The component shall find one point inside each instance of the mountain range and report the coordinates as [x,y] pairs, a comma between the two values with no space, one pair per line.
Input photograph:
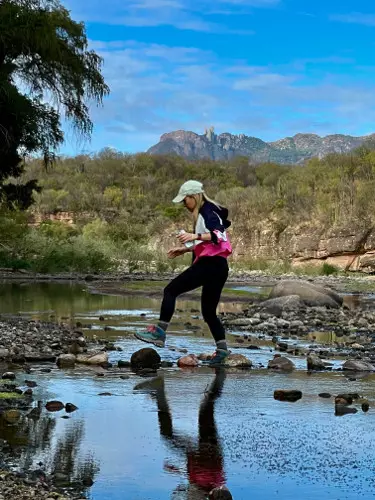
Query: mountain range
[290,150]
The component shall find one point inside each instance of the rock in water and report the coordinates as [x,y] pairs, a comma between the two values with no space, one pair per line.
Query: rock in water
[66,361]
[54,406]
[98,358]
[315,363]
[277,305]
[287,395]
[365,406]
[309,293]
[8,376]
[189,361]
[281,363]
[145,358]
[12,416]
[358,366]
[238,361]
[70,408]
[221,493]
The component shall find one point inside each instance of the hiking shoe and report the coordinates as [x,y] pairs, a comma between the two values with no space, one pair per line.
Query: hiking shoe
[152,335]
[218,358]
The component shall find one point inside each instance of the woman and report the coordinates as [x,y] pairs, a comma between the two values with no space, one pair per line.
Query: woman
[210,247]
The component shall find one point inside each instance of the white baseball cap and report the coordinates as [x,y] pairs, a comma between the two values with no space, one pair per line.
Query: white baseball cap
[187,189]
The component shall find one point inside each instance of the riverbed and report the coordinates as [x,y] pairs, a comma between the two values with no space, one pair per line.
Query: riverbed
[131,445]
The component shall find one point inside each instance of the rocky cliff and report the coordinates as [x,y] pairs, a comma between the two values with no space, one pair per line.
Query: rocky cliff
[350,247]
[291,150]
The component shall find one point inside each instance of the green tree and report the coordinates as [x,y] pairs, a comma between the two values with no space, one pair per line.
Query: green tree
[44,52]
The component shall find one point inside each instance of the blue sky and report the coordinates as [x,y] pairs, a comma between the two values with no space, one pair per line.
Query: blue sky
[265,68]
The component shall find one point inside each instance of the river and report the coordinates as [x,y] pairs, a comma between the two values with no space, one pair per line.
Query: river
[157,440]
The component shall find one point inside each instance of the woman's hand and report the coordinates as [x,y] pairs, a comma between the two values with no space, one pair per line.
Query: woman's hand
[186,237]
[177,252]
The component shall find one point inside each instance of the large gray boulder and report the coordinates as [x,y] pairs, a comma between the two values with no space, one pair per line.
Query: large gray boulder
[309,293]
[356,365]
[279,304]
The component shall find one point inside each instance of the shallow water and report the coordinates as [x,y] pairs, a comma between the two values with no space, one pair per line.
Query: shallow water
[263,448]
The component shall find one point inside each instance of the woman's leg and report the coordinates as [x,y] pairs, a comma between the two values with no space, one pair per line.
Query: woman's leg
[189,280]
[212,288]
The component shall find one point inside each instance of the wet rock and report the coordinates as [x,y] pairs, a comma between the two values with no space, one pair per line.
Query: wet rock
[343,399]
[28,392]
[341,410]
[12,416]
[204,356]
[221,493]
[54,406]
[105,394]
[70,408]
[238,361]
[123,364]
[281,363]
[145,358]
[315,363]
[8,376]
[365,406]
[188,361]
[101,318]
[287,395]
[276,306]
[309,293]
[88,482]
[97,358]
[358,366]
[166,364]
[325,395]
[66,361]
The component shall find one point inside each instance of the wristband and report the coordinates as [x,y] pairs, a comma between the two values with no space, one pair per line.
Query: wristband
[199,236]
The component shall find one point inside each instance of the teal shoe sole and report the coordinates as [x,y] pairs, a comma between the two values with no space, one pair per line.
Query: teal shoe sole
[155,342]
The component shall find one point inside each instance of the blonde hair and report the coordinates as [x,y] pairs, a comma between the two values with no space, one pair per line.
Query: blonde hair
[199,200]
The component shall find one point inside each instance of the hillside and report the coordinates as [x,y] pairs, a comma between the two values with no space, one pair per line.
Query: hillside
[290,150]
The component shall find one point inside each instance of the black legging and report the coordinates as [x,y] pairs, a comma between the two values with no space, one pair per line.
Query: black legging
[209,272]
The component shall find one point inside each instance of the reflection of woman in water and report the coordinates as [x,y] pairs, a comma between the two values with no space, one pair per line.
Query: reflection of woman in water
[205,463]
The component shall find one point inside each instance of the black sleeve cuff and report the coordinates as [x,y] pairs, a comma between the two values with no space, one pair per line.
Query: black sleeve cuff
[214,238]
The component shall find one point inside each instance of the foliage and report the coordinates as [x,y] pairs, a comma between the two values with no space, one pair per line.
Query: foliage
[123,213]
[45,51]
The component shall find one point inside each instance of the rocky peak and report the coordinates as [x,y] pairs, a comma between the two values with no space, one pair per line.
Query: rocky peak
[290,150]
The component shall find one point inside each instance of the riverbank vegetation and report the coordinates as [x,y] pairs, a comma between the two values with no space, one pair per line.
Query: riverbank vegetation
[121,203]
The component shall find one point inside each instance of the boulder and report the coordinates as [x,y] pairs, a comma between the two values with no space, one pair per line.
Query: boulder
[8,376]
[358,366]
[238,361]
[281,363]
[315,363]
[66,361]
[277,305]
[287,395]
[145,358]
[189,361]
[54,406]
[309,293]
[98,358]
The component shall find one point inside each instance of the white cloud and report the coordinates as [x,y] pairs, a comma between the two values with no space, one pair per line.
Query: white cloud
[157,89]
[355,18]
[181,14]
